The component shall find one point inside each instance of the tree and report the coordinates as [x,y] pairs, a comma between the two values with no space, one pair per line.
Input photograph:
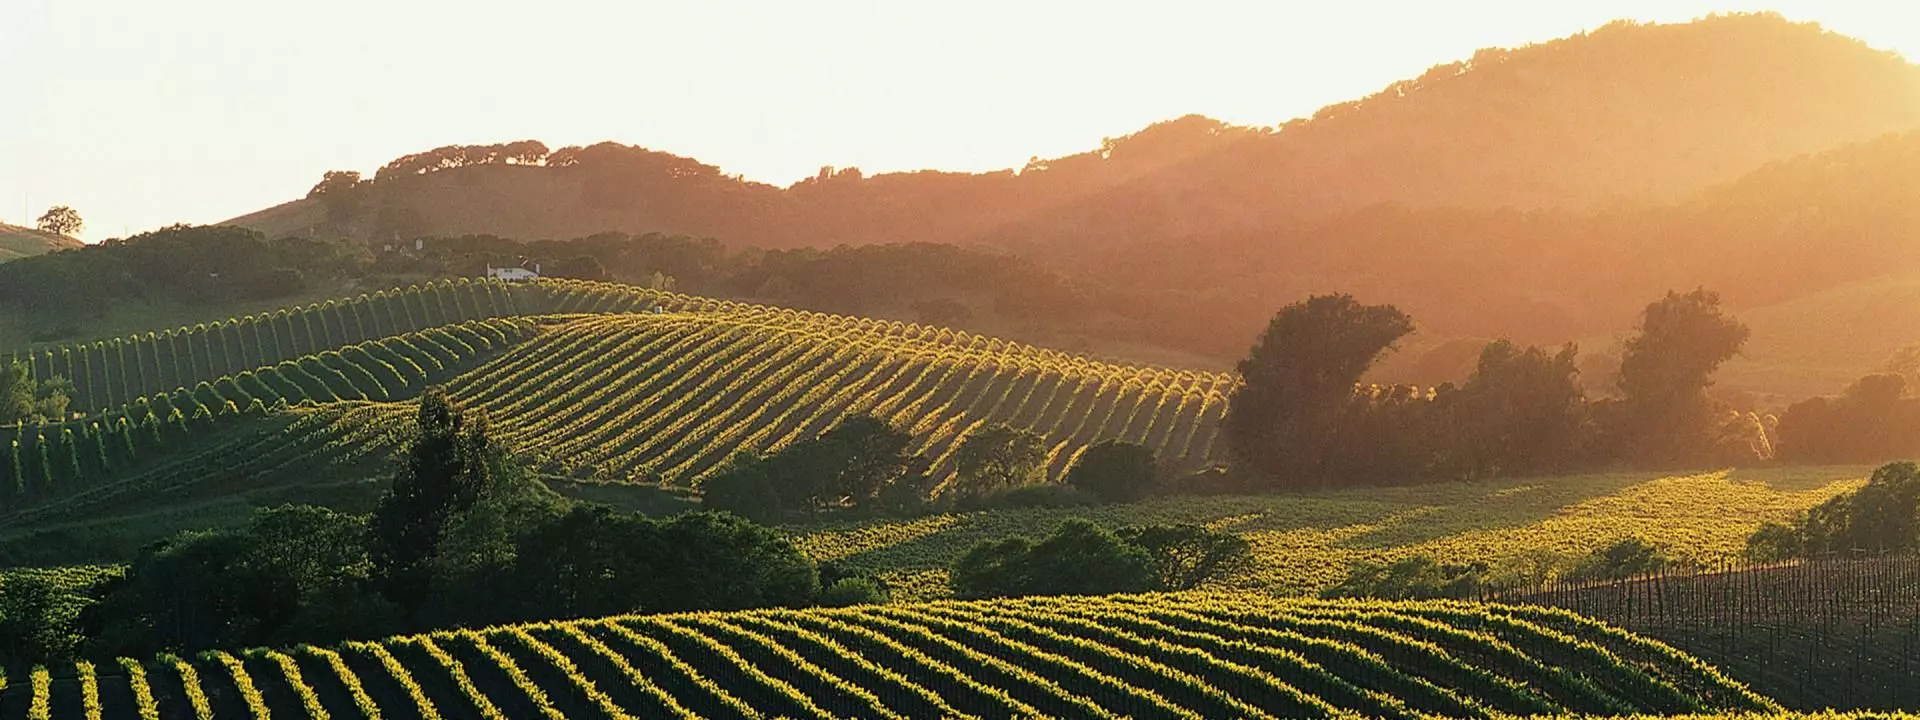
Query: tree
[61,220]
[292,574]
[1416,578]
[1665,371]
[849,464]
[718,561]
[335,184]
[1281,423]
[35,628]
[1115,471]
[1521,412]
[998,457]
[449,468]
[1621,560]
[1881,517]
[1079,558]
[864,454]
[1873,421]
[1186,556]
[22,399]
[745,488]
[588,562]
[341,192]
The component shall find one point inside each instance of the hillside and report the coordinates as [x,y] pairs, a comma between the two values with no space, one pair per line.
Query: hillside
[1121,656]
[630,390]
[600,382]
[1831,632]
[1749,154]
[1791,247]
[17,242]
[1628,113]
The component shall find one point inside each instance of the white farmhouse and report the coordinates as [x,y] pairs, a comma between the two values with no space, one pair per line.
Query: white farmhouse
[513,274]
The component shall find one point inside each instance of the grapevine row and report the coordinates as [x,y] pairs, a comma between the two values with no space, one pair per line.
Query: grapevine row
[1122,656]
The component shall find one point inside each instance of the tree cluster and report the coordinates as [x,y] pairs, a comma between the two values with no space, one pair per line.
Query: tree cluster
[459,523]
[1881,517]
[1302,419]
[26,400]
[861,462]
[1422,577]
[1082,558]
[1874,420]
[448,157]
[922,282]
[185,264]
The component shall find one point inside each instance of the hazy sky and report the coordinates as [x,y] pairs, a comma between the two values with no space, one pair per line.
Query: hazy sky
[141,113]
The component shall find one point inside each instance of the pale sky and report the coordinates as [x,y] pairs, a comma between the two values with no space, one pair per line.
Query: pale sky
[142,113]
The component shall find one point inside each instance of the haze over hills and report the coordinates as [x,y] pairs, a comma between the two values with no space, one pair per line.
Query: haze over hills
[1747,153]
[18,242]
[1628,113]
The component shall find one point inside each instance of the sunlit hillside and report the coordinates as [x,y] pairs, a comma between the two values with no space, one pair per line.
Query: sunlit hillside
[600,382]
[18,242]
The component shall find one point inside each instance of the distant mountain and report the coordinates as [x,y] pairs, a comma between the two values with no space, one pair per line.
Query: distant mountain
[1818,252]
[1544,193]
[17,242]
[1629,113]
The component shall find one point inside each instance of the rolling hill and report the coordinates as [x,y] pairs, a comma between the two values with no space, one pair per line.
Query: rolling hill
[17,242]
[618,393]
[601,382]
[1756,156]
[1120,656]
[1628,113]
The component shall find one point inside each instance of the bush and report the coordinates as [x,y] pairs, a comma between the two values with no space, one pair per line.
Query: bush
[1187,556]
[1115,471]
[1415,578]
[1882,517]
[1079,558]
[1621,560]
[1043,495]
[1774,542]
[997,458]
[853,591]
[744,488]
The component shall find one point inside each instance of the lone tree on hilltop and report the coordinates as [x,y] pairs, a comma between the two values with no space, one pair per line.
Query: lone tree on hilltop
[61,220]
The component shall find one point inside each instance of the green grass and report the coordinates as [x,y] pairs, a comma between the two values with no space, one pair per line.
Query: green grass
[1306,542]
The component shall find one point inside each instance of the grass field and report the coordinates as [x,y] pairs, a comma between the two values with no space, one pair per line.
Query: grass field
[17,242]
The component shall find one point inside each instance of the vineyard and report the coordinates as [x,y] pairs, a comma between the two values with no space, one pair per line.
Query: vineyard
[668,397]
[238,426]
[1832,632]
[603,382]
[1121,656]
[1305,542]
